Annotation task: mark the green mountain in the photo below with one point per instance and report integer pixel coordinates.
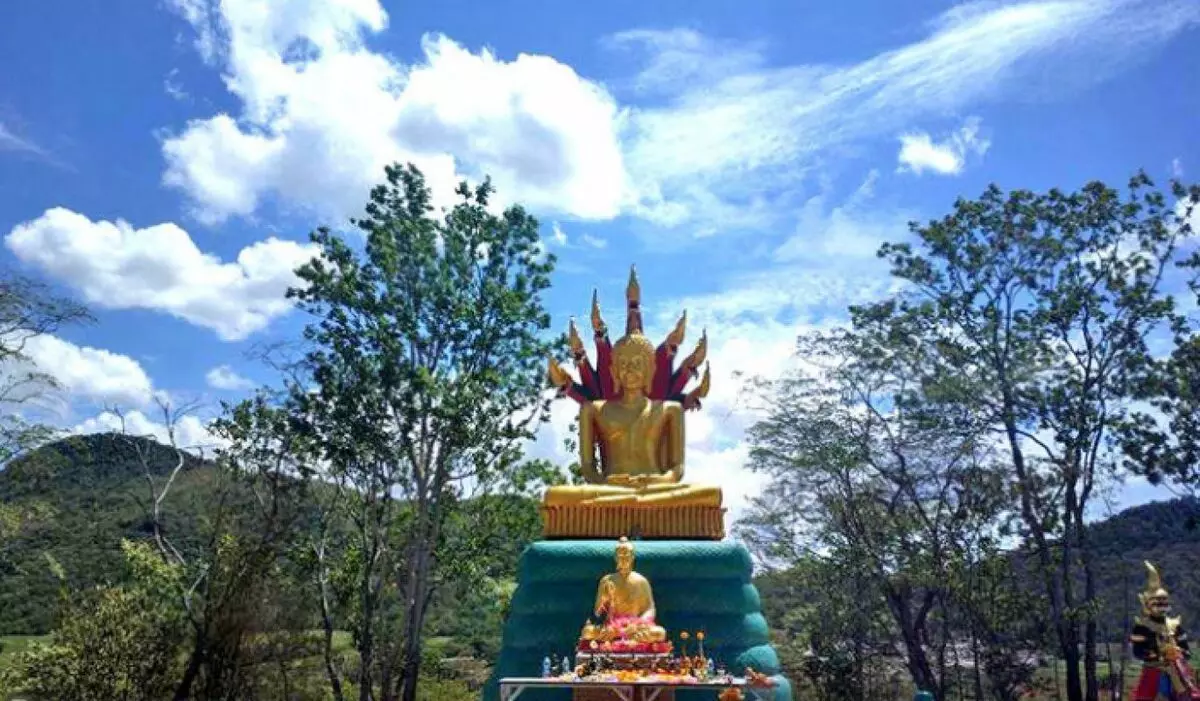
(76, 499)
(1164, 533)
(80, 496)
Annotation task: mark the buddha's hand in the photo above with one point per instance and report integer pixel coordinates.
(621, 480)
(665, 478)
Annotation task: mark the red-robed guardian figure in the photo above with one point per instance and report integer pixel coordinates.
(1160, 642)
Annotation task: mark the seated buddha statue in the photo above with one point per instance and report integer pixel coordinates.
(625, 604)
(632, 412)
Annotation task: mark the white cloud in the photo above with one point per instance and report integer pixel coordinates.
(1176, 168)
(90, 373)
(191, 432)
(680, 55)
(321, 115)
(159, 267)
(844, 237)
(747, 133)
(173, 88)
(562, 240)
(720, 139)
(919, 152)
(549, 444)
(226, 378)
(559, 236)
(11, 142)
(594, 241)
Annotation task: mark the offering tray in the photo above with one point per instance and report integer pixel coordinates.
(625, 660)
(653, 689)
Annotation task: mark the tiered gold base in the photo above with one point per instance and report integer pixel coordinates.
(636, 521)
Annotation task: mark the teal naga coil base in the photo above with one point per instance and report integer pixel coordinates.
(698, 585)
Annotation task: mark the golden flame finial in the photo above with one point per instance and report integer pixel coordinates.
(558, 376)
(573, 339)
(1153, 578)
(705, 382)
(698, 355)
(598, 326)
(676, 336)
(692, 400)
(633, 300)
(1154, 597)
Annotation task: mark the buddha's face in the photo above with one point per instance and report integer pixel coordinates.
(624, 561)
(633, 365)
(631, 372)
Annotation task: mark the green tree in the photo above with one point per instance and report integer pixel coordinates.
(422, 380)
(832, 628)
(1004, 622)
(1165, 444)
(1040, 309)
(888, 482)
(113, 642)
(27, 310)
(228, 579)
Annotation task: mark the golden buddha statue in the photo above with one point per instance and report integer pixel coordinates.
(632, 407)
(625, 601)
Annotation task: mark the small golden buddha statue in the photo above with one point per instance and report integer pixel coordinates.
(632, 410)
(625, 601)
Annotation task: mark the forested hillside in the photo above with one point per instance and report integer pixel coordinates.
(80, 496)
(85, 493)
(77, 499)
(1164, 533)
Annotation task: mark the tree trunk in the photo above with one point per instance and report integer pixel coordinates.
(915, 657)
(335, 677)
(1066, 630)
(184, 691)
(415, 618)
(1068, 633)
(366, 631)
(1092, 691)
(978, 664)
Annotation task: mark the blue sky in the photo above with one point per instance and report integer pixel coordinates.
(163, 162)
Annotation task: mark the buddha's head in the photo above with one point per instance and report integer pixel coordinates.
(1156, 601)
(624, 556)
(633, 364)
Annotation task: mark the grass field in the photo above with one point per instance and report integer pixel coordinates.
(1054, 679)
(11, 645)
(431, 689)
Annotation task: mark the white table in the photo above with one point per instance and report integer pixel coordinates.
(513, 687)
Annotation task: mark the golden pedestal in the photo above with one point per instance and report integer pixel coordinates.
(635, 521)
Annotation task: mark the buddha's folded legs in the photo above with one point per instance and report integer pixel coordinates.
(584, 493)
(681, 494)
(612, 495)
